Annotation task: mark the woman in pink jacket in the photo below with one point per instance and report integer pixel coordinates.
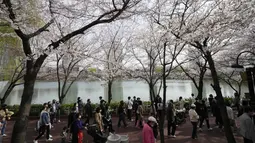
(148, 136)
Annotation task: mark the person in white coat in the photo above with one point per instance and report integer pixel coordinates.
(194, 119)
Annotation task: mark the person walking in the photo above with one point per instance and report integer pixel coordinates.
(77, 127)
(237, 101)
(88, 111)
(122, 114)
(139, 112)
(107, 120)
(71, 119)
(98, 119)
(204, 116)
(160, 108)
(5, 115)
(58, 110)
(129, 106)
(44, 124)
(148, 135)
(102, 106)
(247, 128)
(193, 98)
(211, 104)
(80, 105)
(54, 111)
(171, 119)
(193, 119)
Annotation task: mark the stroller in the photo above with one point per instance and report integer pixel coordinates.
(97, 135)
(180, 117)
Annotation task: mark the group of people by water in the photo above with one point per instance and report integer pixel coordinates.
(101, 116)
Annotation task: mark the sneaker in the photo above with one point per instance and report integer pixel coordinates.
(173, 136)
(4, 135)
(59, 121)
(209, 129)
(50, 136)
(49, 140)
(35, 141)
(200, 129)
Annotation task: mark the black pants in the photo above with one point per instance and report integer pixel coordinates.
(202, 121)
(52, 117)
(194, 130)
(136, 118)
(74, 138)
(219, 121)
(159, 113)
(245, 140)
(42, 130)
(169, 125)
(129, 114)
(122, 118)
(87, 119)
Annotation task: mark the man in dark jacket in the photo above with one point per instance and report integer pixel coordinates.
(102, 107)
(204, 116)
(171, 119)
(88, 111)
(80, 105)
(218, 118)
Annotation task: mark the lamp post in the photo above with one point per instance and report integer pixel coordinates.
(250, 73)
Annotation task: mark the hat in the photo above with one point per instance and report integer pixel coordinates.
(193, 105)
(152, 119)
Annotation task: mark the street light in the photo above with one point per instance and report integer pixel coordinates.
(250, 73)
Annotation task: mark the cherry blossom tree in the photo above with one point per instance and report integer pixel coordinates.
(208, 26)
(146, 62)
(71, 63)
(87, 14)
(196, 70)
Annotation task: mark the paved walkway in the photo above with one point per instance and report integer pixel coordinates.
(183, 134)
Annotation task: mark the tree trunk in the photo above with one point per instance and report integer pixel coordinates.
(200, 88)
(220, 100)
(21, 124)
(152, 97)
(109, 91)
(162, 118)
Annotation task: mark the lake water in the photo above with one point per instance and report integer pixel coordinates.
(47, 91)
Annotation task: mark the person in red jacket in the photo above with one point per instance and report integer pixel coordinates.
(148, 135)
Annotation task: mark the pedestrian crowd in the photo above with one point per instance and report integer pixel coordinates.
(98, 122)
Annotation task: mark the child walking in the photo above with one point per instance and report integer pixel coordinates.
(194, 119)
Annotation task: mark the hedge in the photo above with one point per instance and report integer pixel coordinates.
(65, 108)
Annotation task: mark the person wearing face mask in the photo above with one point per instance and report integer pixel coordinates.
(247, 128)
(77, 127)
(44, 124)
(148, 135)
(98, 119)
